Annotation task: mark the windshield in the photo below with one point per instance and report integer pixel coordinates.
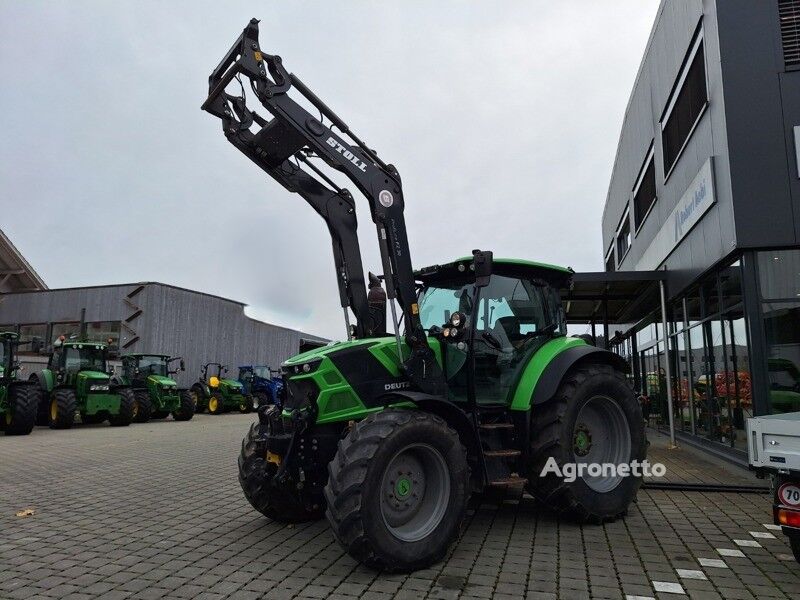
(261, 372)
(86, 358)
(153, 365)
(508, 307)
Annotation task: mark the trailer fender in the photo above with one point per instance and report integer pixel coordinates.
(546, 370)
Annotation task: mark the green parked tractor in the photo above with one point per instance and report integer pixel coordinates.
(18, 399)
(218, 394)
(157, 395)
(388, 436)
(77, 381)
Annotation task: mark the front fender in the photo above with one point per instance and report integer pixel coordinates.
(550, 364)
(45, 379)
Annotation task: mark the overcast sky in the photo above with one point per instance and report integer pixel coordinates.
(502, 118)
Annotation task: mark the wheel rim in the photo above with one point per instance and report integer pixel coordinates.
(415, 492)
(53, 410)
(212, 405)
(601, 436)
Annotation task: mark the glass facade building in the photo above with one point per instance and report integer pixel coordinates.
(707, 176)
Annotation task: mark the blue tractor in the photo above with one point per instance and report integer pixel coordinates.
(261, 384)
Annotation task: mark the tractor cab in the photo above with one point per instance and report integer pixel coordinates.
(138, 368)
(157, 393)
(7, 365)
(71, 357)
(498, 321)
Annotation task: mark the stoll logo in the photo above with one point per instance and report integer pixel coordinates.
(685, 213)
(347, 154)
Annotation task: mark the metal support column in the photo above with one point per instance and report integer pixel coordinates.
(667, 365)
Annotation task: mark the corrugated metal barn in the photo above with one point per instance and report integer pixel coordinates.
(152, 317)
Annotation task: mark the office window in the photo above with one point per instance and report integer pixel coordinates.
(688, 100)
(610, 267)
(789, 14)
(623, 237)
(644, 192)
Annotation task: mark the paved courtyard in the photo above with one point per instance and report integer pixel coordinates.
(155, 511)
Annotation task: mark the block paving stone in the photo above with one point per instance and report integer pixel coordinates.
(155, 511)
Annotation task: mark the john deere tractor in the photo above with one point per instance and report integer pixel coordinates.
(157, 395)
(18, 399)
(77, 380)
(261, 384)
(216, 393)
(388, 436)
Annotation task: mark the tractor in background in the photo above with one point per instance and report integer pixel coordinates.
(157, 395)
(262, 385)
(216, 393)
(77, 380)
(19, 399)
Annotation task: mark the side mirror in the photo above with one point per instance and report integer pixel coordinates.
(482, 265)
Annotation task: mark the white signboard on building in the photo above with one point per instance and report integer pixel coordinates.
(694, 203)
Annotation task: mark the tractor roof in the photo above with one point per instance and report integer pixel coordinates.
(144, 354)
(502, 266)
(81, 343)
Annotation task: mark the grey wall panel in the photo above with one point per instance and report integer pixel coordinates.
(199, 327)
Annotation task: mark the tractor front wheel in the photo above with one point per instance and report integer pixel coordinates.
(279, 502)
(594, 419)
(246, 404)
(127, 401)
(215, 406)
(397, 490)
(198, 396)
(186, 410)
(22, 407)
(63, 404)
(142, 407)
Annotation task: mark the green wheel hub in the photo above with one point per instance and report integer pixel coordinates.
(582, 441)
(403, 487)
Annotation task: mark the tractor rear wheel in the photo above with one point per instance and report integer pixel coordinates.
(127, 400)
(142, 407)
(246, 404)
(63, 404)
(215, 406)
(23, 404)
(186, 410)
(198, 396)
(279, 503)
(594, 418)
(397, 490)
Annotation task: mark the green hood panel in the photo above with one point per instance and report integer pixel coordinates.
(161, 380)
(383, 348)
(231, 384)
(93, 375)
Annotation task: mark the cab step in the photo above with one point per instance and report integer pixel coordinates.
(501, 453)
(508, 481)
(495, 426)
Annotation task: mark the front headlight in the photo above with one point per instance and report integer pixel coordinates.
(98, 387)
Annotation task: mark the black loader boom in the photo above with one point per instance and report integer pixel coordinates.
(286, 147)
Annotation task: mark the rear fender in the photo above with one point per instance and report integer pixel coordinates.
(555, 371)
(45, 380)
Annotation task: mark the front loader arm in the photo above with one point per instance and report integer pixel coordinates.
(294, 136)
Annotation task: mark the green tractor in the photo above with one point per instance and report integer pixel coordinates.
(18, 399)
(218, 394)
(77, 380)
(157, 395)
(389, 436)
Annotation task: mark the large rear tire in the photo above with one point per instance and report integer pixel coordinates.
(255, 477)
(23, 403)
(593, 418)
(63, 404)
(142, 407)
(186, 410)
(127, 400)
(397, 490)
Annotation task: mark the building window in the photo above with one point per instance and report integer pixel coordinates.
(68, 330)
(106, 332)
(623, 237)
(687, 103)
(789, 14)
(610, 267)
(644, 192)
(35, 335)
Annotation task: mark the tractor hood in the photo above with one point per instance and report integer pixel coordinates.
(93, 376)
(162, 381)
(231, 384)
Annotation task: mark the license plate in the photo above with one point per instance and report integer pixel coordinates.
(273, 458)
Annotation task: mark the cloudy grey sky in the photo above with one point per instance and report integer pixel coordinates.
(503, 119)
